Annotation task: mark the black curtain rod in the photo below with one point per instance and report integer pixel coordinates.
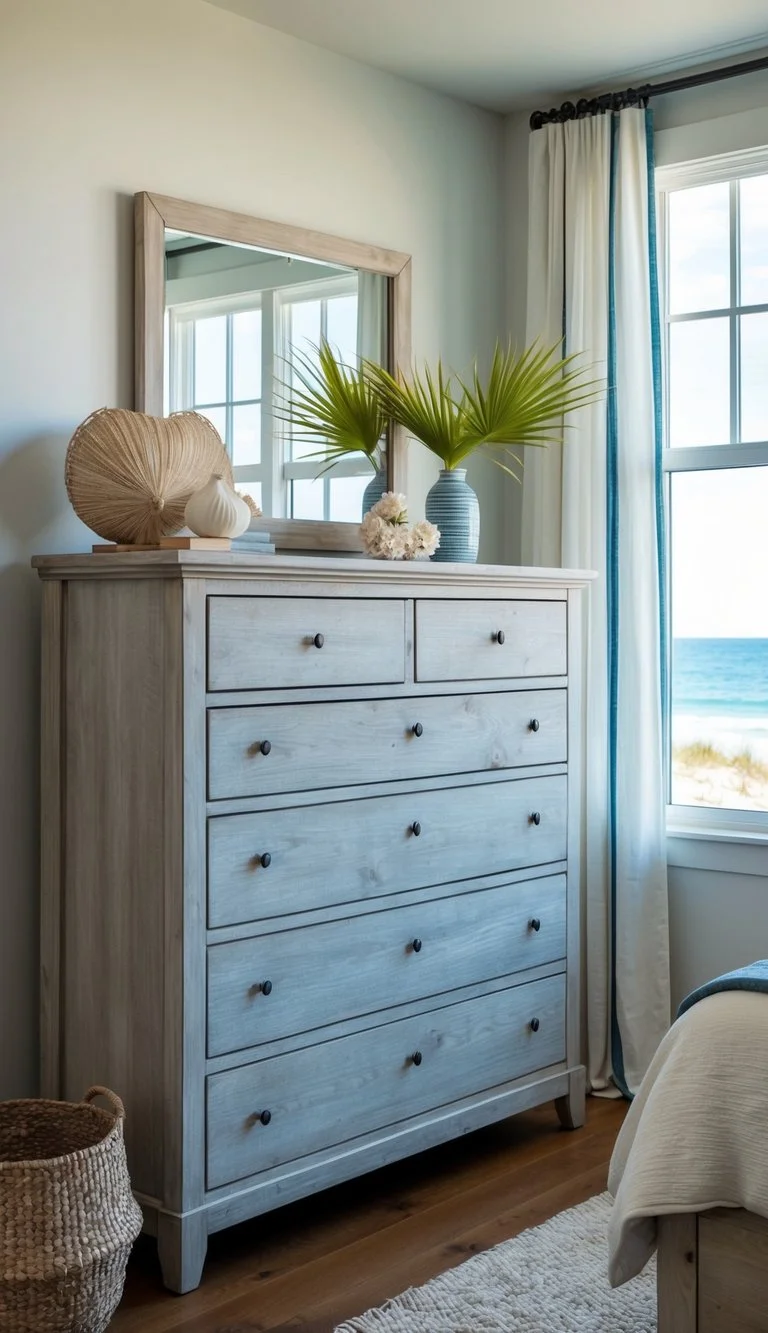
(594, 106)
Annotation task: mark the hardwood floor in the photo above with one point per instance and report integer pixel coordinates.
(315, 1263)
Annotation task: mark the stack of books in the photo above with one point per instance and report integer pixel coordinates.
(255, 540)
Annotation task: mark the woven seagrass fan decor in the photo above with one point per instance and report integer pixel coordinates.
(129, 475)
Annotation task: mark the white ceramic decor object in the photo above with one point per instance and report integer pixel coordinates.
(217, 510)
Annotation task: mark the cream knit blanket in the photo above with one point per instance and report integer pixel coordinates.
(696, 1135)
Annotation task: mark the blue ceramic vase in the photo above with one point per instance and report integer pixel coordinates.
(452, 506)
(374, 490)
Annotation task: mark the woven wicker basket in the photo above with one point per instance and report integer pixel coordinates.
(67, 1215)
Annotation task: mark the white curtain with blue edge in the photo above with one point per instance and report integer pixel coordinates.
(596, 503)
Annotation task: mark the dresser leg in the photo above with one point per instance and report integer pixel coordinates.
(571, 1108)
(181, 1246)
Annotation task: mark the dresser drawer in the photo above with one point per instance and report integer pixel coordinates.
(340, 969)
(310, 746)
(490, 640)
(347, 851)
(285, 642)
(327, 1094)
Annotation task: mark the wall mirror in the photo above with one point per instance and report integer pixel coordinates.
(224, 302)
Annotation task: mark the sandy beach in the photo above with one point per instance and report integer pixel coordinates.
(702, 775)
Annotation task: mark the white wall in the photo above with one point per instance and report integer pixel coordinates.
(716, 118)
(99, 99)
(718, 909)
(718, 895)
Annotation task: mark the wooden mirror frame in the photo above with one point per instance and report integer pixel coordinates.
(153, 213)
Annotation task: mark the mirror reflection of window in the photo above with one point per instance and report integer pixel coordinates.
(234, 317)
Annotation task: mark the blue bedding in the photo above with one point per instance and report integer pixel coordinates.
(752, 977)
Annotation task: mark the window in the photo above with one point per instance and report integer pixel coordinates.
(229, 356)
(216, 369)
(714, 231)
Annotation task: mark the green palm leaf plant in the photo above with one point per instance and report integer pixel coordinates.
(525, 400)
(522, 401)
(334, 405)
(427, 407)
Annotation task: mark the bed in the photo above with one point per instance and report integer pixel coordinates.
(713, 1272)
(689, 1173)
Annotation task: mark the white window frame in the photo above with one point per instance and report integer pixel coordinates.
(275, 471)
(704, 822)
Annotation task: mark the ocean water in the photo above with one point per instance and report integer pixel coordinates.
(720, 694)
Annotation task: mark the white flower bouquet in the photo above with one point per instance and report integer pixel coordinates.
(386, 534)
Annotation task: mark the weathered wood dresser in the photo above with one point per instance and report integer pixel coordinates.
(310, 864)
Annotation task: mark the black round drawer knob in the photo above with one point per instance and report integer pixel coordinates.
(265, 859)
(534, 923)
(319, 640)
(265, 1117)
(534, 1025)
(499, 636)
(266, 987)
(416, 946)
(534, 724)
(416, 829)
(265, 747)
(417, 729)
(535, 817)
(417, 1058)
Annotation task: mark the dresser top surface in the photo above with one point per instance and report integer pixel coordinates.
(341, 570)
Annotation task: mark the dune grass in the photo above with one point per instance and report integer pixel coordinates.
(701, 754)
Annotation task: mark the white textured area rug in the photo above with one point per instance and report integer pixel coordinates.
(552, 1279)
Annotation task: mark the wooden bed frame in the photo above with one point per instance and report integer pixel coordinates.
(713, 1272)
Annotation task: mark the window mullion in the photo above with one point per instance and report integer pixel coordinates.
(275, 497)
(663, 217)
(734, 323)
(229, 415)
(190, 360)
(180, 351)
(713, 457)
(662, 214)
(666, 711)
(326, 478)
